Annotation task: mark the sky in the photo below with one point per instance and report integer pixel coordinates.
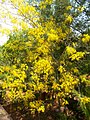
(3, 38)
(5, 22)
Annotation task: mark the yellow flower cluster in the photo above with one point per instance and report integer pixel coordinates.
(70, 50)
(69, 19)
(68, 82)
(68, 7)
(77, 56)
(42, 68)
(38, 105)
(52, 37)
(86, 38)
(81, 9)
(14, 81)
(44, 3)
(61, 69)
(85, 100)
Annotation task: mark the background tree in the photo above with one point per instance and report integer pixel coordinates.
(80, 11)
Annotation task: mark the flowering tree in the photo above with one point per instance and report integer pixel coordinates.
(43, 57)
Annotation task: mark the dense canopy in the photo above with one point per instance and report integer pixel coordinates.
(46, 58)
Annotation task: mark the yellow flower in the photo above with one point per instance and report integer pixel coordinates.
(52, 37)
(68, 7)
(14, 20)
(41, 109)
(86, 38)
(85, 99)
(81, 9)
(69, 19)
(70, 50)
(61, 69)
(77, 56)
